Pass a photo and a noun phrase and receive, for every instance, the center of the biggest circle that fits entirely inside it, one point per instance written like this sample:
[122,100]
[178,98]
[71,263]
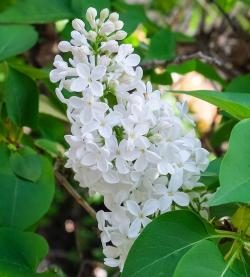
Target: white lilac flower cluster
[126,143]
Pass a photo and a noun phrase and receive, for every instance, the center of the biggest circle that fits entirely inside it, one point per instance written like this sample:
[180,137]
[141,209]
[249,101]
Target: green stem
[231,260]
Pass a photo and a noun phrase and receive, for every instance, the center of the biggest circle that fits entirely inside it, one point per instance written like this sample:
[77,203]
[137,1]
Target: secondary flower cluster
[126,143]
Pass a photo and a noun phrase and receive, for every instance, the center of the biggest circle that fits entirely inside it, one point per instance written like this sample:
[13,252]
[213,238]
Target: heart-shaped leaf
[22,202]
[26,163]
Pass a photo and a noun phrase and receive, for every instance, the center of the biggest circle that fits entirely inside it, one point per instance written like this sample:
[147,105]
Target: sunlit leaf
[236,104]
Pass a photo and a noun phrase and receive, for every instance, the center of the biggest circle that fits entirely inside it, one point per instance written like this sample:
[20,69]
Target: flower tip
[78,25]
[91,13]
[64,46]
[104,14]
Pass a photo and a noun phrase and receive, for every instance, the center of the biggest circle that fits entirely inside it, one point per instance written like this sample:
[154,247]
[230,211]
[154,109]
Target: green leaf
[32,72]
[132,17]
[162,46]
[183,38]
[51,128]
[26,163]
[241,220]
[37,11]
[236,104]
[210,177]
[162,243]
[23,203]
[21,253]
[226,5]
[80,6]
[223,210]
[16,39]
[223,132]
[239,84]
[205,260]
[198,66]
[4,154]
[234,171]
[52,148]
[31,248]
[21,98]
[162,79]
[48,107]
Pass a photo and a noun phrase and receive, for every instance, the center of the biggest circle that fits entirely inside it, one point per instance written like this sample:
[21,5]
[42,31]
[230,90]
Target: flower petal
[98,72]
[134,228]
[133,207]
[165,203]
[140,164]
[152,157]
[89,159]
[121,166]
[132,60]
[111,176]
[176,180]
[96,88]
[181,198]
[146,221]
[83,70]
[78,85]
[105,131]
[150,207]
[164,167]
[111,262]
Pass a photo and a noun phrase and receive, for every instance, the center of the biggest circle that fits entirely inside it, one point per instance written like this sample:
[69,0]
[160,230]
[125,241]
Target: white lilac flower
[141,215]
[126,143]
[169,191]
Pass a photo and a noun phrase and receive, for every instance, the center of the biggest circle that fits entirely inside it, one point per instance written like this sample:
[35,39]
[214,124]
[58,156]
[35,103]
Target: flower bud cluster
[125,143]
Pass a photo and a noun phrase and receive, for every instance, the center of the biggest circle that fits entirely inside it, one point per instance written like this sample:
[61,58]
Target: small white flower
[105,123]
[89,78]
[119,152]
[145,156]
[141,215]
[171,193]
[183,108]
[134,132]
[61,70]
[127,60]
[96,156]
[90,16]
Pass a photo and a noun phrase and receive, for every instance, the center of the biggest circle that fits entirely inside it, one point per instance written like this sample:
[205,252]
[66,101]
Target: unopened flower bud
[107,28]
[120,35]
[91,15]
[119,25]
[114,17]
[111,46]
[64,46]
[78,25]
[92,35]
[104,15]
